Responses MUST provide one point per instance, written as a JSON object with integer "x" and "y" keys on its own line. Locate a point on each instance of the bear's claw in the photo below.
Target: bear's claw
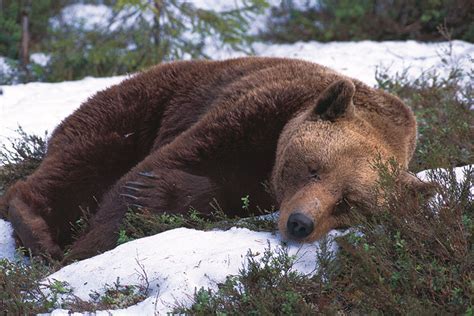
{"x": 129, "y": 196}
{"x": 137, "y": 206}
{"x": 136, "y": 185}
{"x": 135, "y": 189}
{"x": 148, "y": 174}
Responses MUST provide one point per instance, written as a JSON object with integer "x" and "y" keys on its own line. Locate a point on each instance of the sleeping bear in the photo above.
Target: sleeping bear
{"x": 182, "y": 134}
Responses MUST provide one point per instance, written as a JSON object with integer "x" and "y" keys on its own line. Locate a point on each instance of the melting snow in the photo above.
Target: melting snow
{"x": 181, "y": 260}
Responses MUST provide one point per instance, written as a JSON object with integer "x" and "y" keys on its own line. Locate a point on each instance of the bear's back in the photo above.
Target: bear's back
{"x": 203, "y": 86}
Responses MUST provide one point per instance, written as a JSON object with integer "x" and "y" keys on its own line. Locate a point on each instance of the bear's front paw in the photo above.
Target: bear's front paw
{"x": 144, "y": 191}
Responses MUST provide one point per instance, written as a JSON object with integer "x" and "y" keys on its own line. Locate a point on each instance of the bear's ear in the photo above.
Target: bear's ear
{"x": 335, "y": 101}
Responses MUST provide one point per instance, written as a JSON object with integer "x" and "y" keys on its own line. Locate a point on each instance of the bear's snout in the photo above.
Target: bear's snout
{"x": 299, "y": 226}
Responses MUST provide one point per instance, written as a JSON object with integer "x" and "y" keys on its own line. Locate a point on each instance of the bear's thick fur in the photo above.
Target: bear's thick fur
{"x": 182, "y": 134}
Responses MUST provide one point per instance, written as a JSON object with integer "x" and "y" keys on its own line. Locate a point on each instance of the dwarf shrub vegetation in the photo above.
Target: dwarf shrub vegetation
{"x": 406, "y": 256}
{"x": 443, "y": 107}
{"x": 343, "y": 20}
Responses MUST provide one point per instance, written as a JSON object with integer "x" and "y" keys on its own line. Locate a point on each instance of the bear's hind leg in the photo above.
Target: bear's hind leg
{"x": 44, "y": 208}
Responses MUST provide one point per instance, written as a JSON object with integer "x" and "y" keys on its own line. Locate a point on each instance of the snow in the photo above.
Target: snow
{"x": 85, "y": 16}
{"x": 179, "y": 261}
{"x": 100, "y": 16}
{"x": 460, "y": 173}
{"x": 362, "y": 59}
{"x": 176, "y": 263}
{"x": 7, "y": 242}
{"x": 38, "y": 107}
{"x": 40, "y": 59}
{"x": 5, "y": 69}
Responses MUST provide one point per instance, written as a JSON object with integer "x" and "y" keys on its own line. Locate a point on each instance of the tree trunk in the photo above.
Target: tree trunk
{"x": 25, "y": 37}
{"x": 158, "y": 4}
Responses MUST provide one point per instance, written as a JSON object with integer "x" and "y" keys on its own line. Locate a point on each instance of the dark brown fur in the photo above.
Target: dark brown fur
{"x": 178, "y": 136}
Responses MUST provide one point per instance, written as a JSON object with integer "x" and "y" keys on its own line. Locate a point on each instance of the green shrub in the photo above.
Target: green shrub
{"x": 443, "y": 107}
{"x": 11, "y": 32}
{"x": 406, "y": 257}
{"x": 136, "y": 35}
{"x": 266, "y": 285}
{"x": 20, "y": 158}
{"x": 343, "y": 20}
{"x": 143, "y": 223}
{"x": 411, "y": 258}
{"x": 21, "y": 289}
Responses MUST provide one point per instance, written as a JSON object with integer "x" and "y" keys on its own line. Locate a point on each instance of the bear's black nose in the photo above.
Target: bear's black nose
{"x": 299, "y": 226}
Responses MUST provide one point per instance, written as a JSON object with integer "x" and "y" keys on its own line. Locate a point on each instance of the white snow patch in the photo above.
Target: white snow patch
{"x": 177, "y": 262}
{"x": 41, "y": 59}
{"x": 87, "y": 16}
{"x": 7, "y": 242}
{"x": 41, "y": 106}
{"x": 460, "y": 173}
{"x": 360, "y": 60}
{"x": 38, "y": 107}
{"x": 5, "y": 69}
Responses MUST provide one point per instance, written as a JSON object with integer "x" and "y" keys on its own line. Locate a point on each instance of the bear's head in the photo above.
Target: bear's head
{"x": 325, "y": 162}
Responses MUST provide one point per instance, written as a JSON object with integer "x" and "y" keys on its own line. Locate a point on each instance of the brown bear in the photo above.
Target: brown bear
{"x": 184, "y": 133}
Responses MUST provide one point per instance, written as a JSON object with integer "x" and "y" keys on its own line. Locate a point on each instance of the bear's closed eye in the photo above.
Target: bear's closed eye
{"x": 314, "y": 174}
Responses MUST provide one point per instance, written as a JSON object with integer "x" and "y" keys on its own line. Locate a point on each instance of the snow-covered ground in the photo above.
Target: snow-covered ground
{"x": 181, "y": 260}
{"x": 7, "y": 242}
{"x": 178, "y": 262}
{"x": 38, "y": 107}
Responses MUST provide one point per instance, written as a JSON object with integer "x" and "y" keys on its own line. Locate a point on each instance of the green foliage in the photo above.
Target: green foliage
{"x": 136, "y": 35}
{"x": 39, "y": 13}
{"x": 443, "y": 107}
{"x": 11, "y": 32}
{"x": 328, "y": 20}
{"x": 142, "y": 223}
{"x": 140, "y": 34}
{"x": 21, "y": 289}
{"x": 266, "y": 285}
{"x": 407, "y": 257}
{"x": 117, "y": 296}
{"x": 245, "y": 202}
{"x": 145, "y": 223}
